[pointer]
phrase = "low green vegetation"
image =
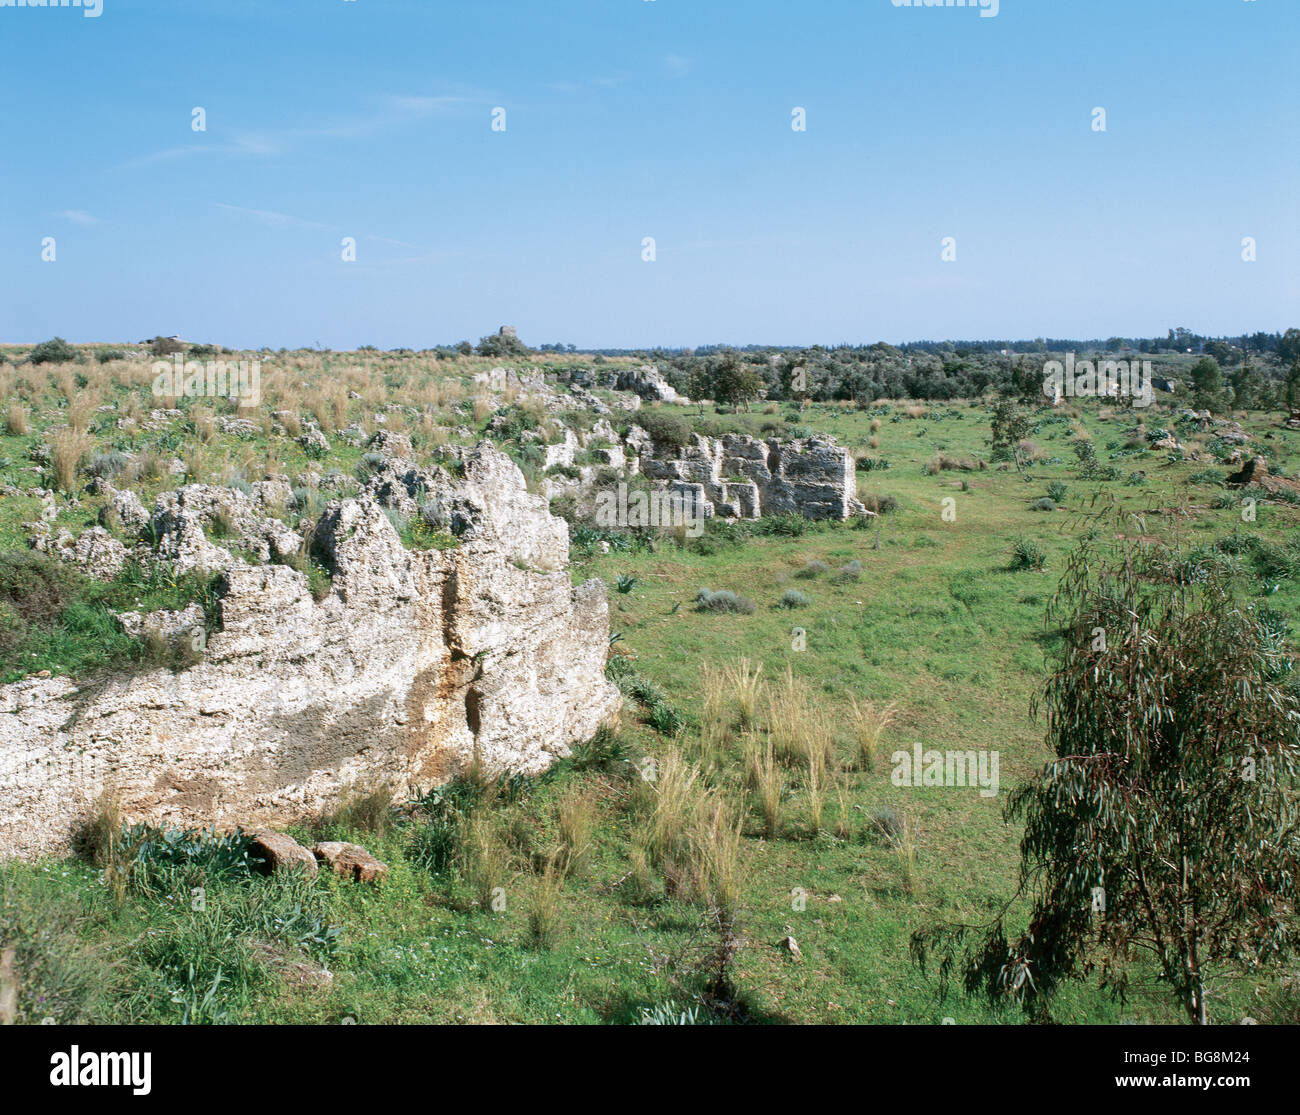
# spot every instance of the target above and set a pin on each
(748, 794)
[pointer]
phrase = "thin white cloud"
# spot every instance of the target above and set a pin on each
(271, 218)
(677, 65)
(77, 217)
(397, 111)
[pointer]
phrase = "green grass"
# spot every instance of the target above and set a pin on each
(937, 621)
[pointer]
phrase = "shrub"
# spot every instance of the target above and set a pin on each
(878, 505)
(165, 346)
(793, 598)
(847, 573)
(1044, 504)
(724, 600)
(1056, 491)
(56, 351)
(813, 569)
(666, 429)
(108, 355)
(1028, 554)
(16, 420)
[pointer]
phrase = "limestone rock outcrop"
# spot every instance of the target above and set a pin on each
(414, 664)
(742, 477)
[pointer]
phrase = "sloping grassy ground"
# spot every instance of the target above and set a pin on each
(937, 622)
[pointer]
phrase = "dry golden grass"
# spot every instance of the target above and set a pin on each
(543, 905)
(715, 725)
(716, 861)
(205, 426)
(676, 791)
(799, 731)
(16, 420)
(576, 815)
(68, 448)
(869, 721)
(484, 856)
(743, 679)
(766, 783)
(815, 790)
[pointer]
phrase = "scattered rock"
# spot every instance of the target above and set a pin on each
(280, 852)
(791, 946)
(350, 860)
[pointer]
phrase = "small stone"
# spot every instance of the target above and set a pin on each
(350, 860)
(280, 852)
(792, 947)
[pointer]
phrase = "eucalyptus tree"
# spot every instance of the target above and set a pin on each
(1165, 825)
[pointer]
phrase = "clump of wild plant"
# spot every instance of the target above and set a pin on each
(724, 600)
(1028, 554)
(869, 721)
(743, 680)
(847, 573)
(543, 906)
(766, 783)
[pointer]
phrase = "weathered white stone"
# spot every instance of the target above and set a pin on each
(411, 666)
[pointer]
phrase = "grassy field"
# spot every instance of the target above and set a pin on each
(549, 901)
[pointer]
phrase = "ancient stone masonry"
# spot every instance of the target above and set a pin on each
(413, 664)
(742, 477)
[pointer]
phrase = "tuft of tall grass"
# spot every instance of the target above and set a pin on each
(869, 721)
(766, 783)
(543, 906)
(576, 816)
(68, 448)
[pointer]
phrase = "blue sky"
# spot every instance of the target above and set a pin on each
(628, 119)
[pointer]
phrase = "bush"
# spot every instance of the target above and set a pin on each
(165, 346)
(1028, 554)
(56, 351)
(1056, 491)
(847, 573)
(879, 505)
(793, 598)
(107, 355)
(1044, 504)
(724, 600)
(813, 569)
(666, 429)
